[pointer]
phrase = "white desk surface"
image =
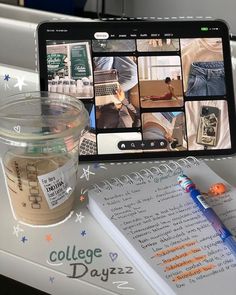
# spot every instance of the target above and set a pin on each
(27, 261)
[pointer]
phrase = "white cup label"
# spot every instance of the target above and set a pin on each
(58, 185)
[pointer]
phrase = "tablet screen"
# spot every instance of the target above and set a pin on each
(152, 89)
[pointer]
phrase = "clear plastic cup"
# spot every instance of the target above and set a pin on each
(40, 132)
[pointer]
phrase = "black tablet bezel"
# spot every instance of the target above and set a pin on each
(66, 31)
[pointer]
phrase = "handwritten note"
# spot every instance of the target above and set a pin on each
(168, 231)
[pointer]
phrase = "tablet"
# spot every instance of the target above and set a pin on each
(152, 89)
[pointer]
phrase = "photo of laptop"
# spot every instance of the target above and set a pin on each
(88, 145)
(106, 85)
(179, 67)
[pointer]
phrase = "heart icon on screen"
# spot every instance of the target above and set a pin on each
(113, 256)
(17, 128)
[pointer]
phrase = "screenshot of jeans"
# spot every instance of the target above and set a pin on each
(206, 79)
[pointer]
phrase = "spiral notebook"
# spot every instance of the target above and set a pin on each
(164, 234)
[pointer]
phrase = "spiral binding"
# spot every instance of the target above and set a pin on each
(139, 177)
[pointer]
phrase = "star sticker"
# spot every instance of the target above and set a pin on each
(48, 237)
(17, 230)
(86, 173)
(83, 233)
(24, 239)
(81, 198)
(79, 217)
(51, 279)
(20, 83)
(6, 77)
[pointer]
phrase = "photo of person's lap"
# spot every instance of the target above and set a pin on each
(120, 110)
(167, 127)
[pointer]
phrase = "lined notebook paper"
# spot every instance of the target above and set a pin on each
(160, 229)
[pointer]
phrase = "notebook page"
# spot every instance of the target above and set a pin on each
(166, 228)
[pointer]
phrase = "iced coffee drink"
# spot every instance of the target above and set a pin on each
(41, 188)
(40, 133)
